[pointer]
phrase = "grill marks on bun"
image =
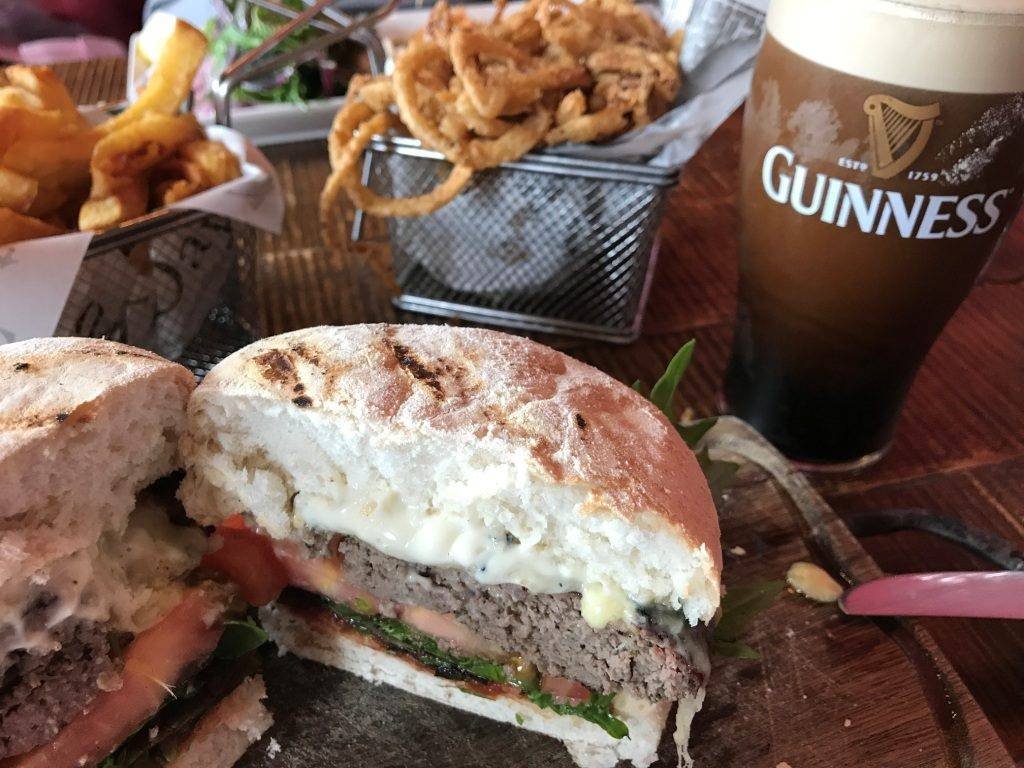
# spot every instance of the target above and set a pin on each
(403, 424)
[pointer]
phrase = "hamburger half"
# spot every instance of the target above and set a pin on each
(469, 516)
(103, 625)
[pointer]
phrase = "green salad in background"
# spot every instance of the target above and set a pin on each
(238, 27)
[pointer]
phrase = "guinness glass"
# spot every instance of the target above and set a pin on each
(883, 156)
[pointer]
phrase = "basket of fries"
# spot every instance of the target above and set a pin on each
(137, 227)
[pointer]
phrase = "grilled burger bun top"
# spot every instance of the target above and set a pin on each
(464, 448)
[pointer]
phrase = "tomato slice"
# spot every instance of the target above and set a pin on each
(564, 689)
(247, 558)
(444, 626)
(262, 567)
(323, 575)
(153, 664)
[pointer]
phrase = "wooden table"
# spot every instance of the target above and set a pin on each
(959, 449)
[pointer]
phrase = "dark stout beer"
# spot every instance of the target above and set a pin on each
(883, 156)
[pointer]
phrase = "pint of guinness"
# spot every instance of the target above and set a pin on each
(883, 157)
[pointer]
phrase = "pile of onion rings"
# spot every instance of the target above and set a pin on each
(554, 71)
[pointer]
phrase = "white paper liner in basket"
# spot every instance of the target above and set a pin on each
(46, 288)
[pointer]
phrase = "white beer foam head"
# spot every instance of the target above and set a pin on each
(958, 46)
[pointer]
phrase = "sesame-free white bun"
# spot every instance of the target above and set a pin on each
(588, 744)
(85, 424)
(457, 447)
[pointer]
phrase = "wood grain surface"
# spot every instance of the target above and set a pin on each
(959, 448)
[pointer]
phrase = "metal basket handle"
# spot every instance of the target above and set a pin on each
(336, 27)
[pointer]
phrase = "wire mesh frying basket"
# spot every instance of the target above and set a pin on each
(548, 243)
(178, 283)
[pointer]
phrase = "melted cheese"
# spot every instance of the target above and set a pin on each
(127, 581)
(491, 555)
(686, 709)
(604, 604)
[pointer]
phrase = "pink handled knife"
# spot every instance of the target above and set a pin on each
(971, 594)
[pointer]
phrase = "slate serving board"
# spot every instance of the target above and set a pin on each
(828, 692)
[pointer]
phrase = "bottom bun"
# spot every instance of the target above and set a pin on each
(225, 732)
(588, 744)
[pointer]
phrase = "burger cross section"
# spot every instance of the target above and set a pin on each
(464, 514)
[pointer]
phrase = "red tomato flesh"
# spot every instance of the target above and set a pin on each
(564, 690)
(248, 559)
(153, 664)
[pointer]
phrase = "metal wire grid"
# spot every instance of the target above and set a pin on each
(175, 282)
(549, 244)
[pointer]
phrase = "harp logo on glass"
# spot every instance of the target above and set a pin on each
(897, 133)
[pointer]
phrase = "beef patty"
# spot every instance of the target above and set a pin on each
(547, 630)
(41, 693)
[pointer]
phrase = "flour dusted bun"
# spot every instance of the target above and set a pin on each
(588, 744)
(84, 425)
(457, 447)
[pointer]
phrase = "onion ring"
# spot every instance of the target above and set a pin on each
(636, 60)
(510, 146)
(466, 46)
(418, 54)
(586, 128)
(454, 127)
(377, 91)
(346, 176)
(484, 94)
(488, 127)
(572, 105)
(345, 123)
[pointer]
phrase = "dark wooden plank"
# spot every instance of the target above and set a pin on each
(695, 284)
(989, 655)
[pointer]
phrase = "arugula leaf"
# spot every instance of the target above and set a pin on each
(665, 388)
(424, 648)
(734, 650)
(239, 638)
(694, 431)
(718, 472)
(663, 391)
(485, 669)
(739, 607)
(597, 710)
(741, 604)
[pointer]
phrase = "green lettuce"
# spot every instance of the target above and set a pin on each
(400, 637)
